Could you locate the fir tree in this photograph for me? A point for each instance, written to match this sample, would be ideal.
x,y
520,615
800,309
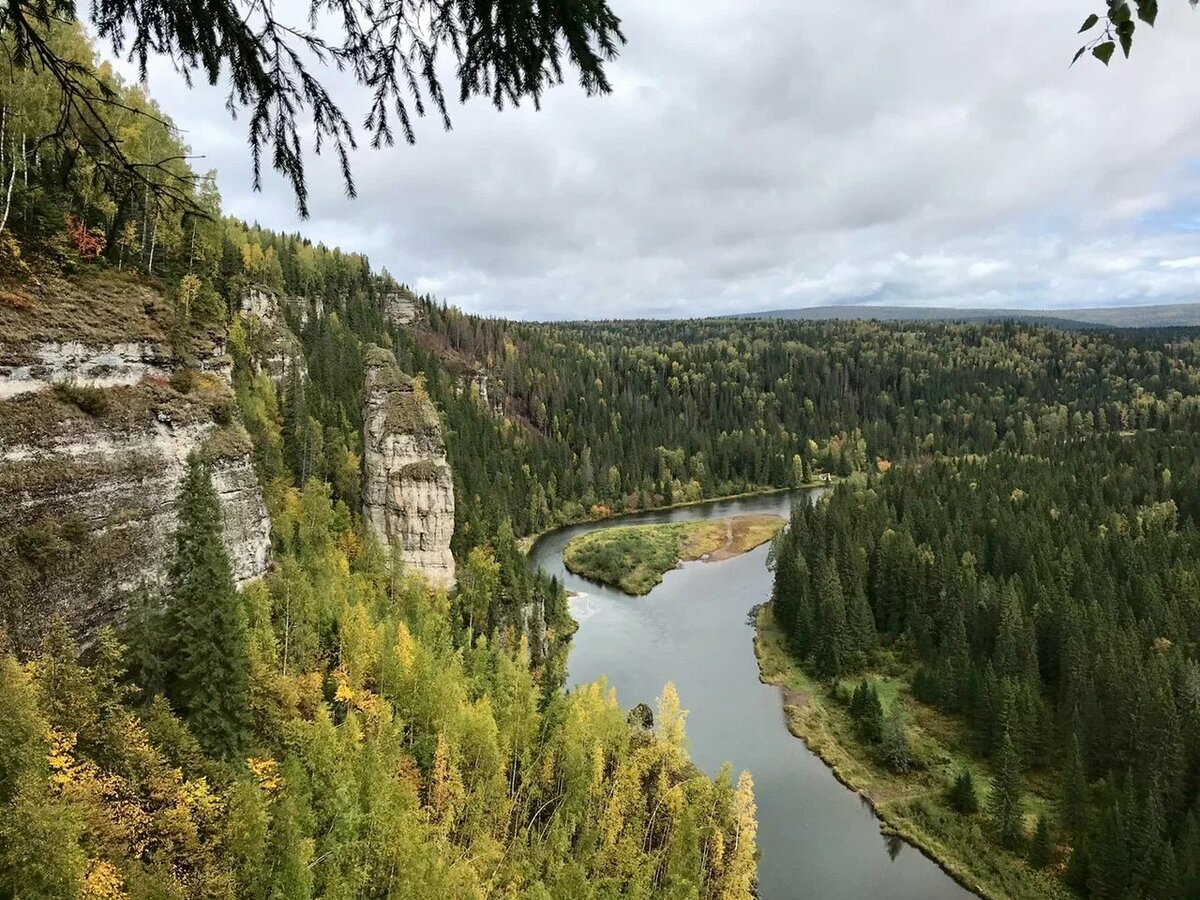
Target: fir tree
x,y
209,666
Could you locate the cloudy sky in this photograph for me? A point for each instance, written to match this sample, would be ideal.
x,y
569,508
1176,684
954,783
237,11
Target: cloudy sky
x,y
774,153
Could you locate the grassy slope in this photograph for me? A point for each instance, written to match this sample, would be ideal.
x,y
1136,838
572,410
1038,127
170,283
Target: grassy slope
x,y
913,805
635,557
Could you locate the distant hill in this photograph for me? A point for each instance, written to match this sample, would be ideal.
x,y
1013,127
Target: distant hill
x,y
1114,316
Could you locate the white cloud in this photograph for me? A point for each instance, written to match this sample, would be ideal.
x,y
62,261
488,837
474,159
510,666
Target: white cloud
x,y
1188,262
758,155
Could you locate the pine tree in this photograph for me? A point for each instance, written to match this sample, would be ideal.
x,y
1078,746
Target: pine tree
x,y
209,664
1005,802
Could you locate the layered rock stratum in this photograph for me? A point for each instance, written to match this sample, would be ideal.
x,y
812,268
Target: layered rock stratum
x,y
273,346
408,495
96,424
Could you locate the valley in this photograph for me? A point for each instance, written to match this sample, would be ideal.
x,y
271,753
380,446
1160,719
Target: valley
x,y
319,586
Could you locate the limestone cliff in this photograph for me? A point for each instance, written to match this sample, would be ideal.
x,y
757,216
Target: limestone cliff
x,y
400,307
482,386
273,347
96,423
408,493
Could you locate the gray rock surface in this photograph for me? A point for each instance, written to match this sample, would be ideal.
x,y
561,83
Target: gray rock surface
x,y
400,308
408,494
274,347
88,482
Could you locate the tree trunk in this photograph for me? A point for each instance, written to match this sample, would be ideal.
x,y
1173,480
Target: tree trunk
x,y
153,241
120,217
8,200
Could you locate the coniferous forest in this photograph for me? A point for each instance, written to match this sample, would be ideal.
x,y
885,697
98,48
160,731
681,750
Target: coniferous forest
x,y
1000,591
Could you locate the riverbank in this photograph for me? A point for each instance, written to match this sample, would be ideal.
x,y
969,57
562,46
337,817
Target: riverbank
x,y
911,806
526,543
634,558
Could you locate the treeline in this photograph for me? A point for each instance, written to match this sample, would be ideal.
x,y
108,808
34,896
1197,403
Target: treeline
x,y
631,414
1052,602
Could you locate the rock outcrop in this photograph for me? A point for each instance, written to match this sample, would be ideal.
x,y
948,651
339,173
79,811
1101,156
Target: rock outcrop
x,y
482,387
408,494
272,345
400,307
305,308
93,443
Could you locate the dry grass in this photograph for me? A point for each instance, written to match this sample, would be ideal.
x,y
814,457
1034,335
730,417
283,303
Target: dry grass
x,y
635,557
98,309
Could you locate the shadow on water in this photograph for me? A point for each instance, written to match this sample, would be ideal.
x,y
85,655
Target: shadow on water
x,y
817,838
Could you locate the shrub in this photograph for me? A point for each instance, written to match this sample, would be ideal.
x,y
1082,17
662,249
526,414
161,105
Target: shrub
x,y
223,411
182,381
92,400
89,243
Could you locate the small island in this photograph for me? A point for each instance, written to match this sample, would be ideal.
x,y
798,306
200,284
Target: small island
x,y
635,557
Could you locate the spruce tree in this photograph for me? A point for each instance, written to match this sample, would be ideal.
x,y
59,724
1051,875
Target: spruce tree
x,y
872,717
1108,874
1041,854
833,635
963,796
208,663
894,746
1074,804
1005,802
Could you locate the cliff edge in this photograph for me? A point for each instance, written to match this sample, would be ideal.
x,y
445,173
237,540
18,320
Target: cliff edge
x,y
97,419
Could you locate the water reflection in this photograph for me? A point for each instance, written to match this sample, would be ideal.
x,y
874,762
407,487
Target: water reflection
x,y
817,839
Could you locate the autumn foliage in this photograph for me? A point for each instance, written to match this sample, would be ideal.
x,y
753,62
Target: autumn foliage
x,y
89,243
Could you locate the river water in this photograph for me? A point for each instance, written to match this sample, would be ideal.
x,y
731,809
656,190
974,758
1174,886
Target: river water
x,y
817,839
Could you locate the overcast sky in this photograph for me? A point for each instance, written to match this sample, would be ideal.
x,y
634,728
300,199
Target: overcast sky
x,y
774,153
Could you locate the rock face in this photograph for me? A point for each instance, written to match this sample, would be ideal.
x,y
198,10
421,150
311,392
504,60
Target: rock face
x,y
408,493
274,347
400,307
93,443
481,385
305,308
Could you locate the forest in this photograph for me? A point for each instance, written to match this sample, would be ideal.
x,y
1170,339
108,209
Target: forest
x,y
338,728
1047,600
1011,545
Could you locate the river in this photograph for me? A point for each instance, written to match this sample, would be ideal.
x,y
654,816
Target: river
x,y
817,839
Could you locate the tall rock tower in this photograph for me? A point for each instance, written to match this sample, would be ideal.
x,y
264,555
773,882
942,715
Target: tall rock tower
x,y
408,495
